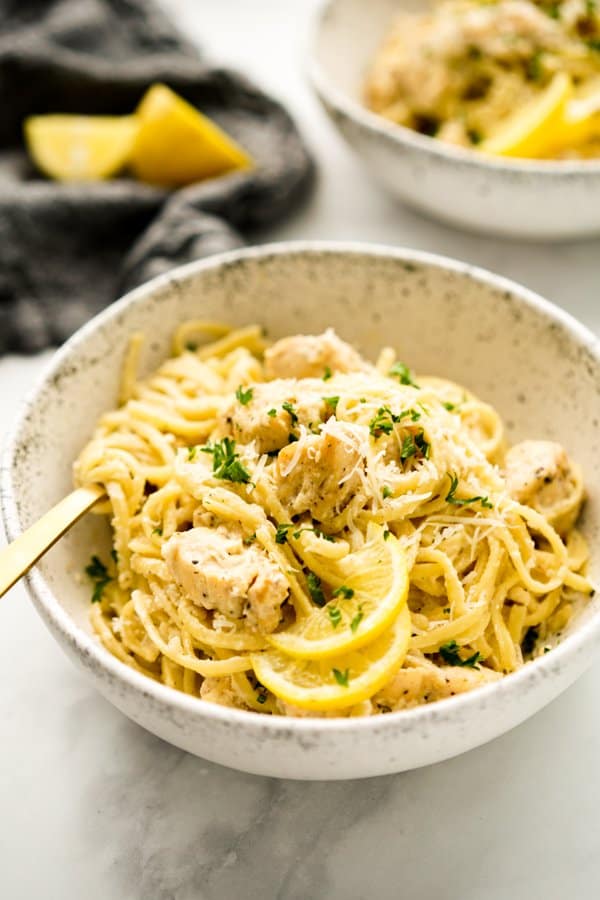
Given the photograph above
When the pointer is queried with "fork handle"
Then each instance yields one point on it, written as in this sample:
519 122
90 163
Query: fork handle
17 558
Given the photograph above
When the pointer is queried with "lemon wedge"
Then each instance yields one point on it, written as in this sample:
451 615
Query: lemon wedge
177 145
340 682
372 587
530 131
80 148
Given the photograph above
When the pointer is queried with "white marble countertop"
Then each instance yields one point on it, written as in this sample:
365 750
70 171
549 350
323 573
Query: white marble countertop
92 806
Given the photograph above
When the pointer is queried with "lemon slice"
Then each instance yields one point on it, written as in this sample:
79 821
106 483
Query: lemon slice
177 145
372 588
530 131
337 683
80 148
581 119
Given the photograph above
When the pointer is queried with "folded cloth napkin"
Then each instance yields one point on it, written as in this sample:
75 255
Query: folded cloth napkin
67 250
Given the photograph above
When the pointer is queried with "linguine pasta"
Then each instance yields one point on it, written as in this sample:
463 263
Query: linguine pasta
297 531
460 70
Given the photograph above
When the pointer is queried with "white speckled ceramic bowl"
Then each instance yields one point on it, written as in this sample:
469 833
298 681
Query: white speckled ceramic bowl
519 198
537 365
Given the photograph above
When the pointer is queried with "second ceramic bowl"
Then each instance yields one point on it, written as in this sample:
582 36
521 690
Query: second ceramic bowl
531 199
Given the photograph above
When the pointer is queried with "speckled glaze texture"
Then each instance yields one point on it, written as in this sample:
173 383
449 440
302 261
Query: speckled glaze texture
519 198
536 364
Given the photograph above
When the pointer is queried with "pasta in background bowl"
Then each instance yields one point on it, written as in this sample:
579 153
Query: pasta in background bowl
533 364
431 117
516 78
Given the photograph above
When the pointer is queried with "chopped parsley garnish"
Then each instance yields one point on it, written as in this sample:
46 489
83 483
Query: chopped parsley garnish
450 654
386 534
402 372
158 530
192 346
261 698
332 402
249 539
282 533
474 136
272 412
289 409
317 531
98 573
383 422
413 444
386 492
341 677
449 406
422 445
327 374
457 501
344 591
244 396
409 448
315 590
534 69
287 406
357 619
414 414
226 462
335 615
446 610
192 451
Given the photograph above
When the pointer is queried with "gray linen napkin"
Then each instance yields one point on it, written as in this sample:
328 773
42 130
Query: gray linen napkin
68 250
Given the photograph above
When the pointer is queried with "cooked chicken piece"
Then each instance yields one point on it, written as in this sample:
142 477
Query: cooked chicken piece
541 475
320 474
218 571
220 691
414 686
512 29
274 412
312 356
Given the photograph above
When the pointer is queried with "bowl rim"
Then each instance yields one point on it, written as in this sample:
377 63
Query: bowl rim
93 653
343 103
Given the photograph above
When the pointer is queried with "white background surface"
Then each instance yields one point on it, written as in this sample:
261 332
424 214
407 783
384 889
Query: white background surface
91 806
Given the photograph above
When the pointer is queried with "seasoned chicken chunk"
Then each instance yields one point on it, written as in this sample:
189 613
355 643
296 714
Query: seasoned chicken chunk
220 691
414 686
274 412
321 473
312 356
219 572
541 475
